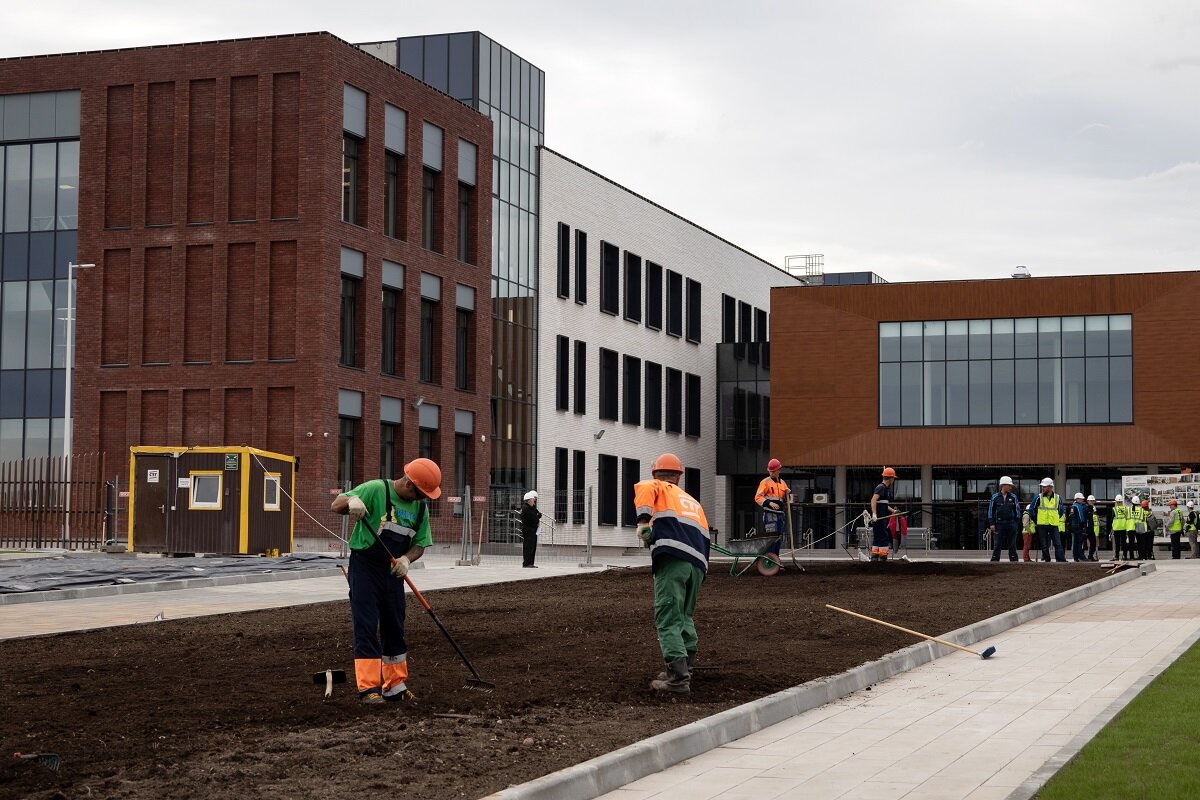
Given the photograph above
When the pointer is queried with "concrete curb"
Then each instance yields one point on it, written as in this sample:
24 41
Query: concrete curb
613 770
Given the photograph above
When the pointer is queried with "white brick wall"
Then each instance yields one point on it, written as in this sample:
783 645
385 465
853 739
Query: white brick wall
586 201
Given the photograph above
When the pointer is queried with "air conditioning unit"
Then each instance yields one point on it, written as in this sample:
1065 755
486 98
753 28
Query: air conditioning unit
820 498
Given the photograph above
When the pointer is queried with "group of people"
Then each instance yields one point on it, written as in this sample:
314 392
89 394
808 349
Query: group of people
1046 520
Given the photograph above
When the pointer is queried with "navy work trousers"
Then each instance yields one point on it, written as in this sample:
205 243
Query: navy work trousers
1005 539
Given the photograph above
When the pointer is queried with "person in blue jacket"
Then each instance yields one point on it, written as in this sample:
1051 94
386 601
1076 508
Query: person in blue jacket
1004 515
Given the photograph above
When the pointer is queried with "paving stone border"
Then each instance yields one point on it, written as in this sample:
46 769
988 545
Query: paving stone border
610 771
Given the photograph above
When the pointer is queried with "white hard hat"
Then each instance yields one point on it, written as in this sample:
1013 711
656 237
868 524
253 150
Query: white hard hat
1091 498
1119 498
1047 481
1079 495
1136 499
1006 481
531 495
1190 504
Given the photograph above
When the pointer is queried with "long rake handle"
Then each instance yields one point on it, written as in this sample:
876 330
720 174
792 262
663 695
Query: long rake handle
906 630
429 610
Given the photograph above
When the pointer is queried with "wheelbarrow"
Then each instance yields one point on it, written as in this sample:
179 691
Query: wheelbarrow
761 551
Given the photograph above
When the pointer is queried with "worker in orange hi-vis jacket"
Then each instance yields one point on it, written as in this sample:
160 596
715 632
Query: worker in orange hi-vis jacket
672 524
772 497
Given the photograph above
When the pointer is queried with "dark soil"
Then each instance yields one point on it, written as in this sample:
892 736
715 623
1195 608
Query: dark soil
224 706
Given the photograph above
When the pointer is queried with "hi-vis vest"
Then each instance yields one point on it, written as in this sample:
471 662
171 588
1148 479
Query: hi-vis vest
1096 521
1121 518
1176 523
679 527
1140 516
1193 520
1049 511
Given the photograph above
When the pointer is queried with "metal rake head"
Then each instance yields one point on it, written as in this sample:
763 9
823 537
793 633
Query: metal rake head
50 761
479 685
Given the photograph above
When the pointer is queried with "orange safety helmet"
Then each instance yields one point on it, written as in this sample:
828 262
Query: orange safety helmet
774 465
1145 504
667 462
888 472
1173 502
426 476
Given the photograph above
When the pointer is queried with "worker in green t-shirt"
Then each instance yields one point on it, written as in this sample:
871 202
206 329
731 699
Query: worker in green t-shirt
391 531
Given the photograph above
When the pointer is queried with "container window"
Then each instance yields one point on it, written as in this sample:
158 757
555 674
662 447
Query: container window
271 491
206 491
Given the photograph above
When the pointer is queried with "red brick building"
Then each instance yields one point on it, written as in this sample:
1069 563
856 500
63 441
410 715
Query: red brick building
291 253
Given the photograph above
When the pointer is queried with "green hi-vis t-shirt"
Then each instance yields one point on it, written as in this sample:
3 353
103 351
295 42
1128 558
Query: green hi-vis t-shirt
404 514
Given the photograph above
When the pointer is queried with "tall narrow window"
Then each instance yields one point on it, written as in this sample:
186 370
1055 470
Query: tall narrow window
745 323
654 296
346 455
462 465
610 278
630 469
427 443
390 329
654 395
462 349
691 483
429 205
564 260
387 449
674 304
578 511
351 145
560 484
632 384
606 507
728 319
393 195
465 204
633 287
581 270
429 340
608 384
693 310
562 376
580 377
760 325
674 401
349 354
692 406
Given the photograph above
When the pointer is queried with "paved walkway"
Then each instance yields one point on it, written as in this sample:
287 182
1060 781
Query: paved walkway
959 727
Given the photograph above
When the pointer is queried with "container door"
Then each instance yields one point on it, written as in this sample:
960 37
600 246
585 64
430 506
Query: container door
152 495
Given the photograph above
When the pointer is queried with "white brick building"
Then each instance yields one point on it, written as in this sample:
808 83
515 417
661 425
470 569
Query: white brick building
648 355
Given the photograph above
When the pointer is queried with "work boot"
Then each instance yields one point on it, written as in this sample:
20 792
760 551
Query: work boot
679 680
691 662
371 698
403 696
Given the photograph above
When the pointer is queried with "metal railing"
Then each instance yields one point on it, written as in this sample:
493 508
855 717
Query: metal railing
55 502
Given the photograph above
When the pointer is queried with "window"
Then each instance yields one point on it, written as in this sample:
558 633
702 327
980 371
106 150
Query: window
760 325
674 401
462 349
674 304
633 287
206 490
630 469
429 204
462 466
578 511
466 195
608 384
393 195
351 145
391 344
346 455
560 484
1022 371
728 319
427 443
610 278
745 322
564 260
691 483
580 377
271 492
581 276
654 296
562 375
387 449
693 311
429 340
632 384
653 396
349 354
692 415
606 510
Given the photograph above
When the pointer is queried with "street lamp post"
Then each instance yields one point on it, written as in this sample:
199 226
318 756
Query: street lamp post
68 423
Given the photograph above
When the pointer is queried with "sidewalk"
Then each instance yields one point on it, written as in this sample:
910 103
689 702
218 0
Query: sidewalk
961 727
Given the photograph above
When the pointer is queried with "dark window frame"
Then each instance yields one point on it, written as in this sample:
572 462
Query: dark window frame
631 389
654 296
561 492
653 417
352 147
562 374
389 451
608 494
431 238
578 479
673 383
630 474
691 404
351 326
609 384
581 268
430 341
466 209
580 378
464 351
728 319
692 305
674 304
610 278
394 185
633 287
564 260
391 350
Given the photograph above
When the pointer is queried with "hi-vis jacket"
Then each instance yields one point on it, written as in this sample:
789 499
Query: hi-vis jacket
1175 521
1048 511
1122 518
679 527
770 489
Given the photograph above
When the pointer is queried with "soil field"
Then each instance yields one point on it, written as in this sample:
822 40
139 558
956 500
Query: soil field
224 706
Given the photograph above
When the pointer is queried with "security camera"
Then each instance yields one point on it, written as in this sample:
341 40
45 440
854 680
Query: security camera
600 434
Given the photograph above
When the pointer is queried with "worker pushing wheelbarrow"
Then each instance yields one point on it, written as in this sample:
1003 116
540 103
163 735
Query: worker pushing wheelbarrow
775 502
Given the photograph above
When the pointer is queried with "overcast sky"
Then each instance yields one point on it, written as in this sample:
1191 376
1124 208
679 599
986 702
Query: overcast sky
918 139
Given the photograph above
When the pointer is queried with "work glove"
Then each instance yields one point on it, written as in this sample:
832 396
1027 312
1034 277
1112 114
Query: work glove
400 566
871 518
358 509
645 533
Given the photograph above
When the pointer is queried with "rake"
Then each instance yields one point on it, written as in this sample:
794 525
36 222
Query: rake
986 654
50 761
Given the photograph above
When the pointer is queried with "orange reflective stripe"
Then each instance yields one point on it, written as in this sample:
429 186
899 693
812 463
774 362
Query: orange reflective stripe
367 672
662 496
394 675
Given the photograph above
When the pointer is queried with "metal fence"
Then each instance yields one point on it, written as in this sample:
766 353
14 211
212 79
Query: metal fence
56 502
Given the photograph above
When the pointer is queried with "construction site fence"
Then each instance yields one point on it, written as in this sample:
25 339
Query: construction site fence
56 502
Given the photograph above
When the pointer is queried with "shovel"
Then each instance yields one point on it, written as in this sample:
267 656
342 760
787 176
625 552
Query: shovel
329 677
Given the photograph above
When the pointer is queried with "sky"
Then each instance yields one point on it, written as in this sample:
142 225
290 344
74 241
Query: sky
920 140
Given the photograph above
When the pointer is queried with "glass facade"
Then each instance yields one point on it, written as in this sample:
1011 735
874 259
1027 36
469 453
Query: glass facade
1023 371
509 90
39 207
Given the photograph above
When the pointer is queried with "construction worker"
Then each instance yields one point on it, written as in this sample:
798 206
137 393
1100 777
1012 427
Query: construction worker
1122 523
881 537
1175 525
1146 539
1028 531
530 519
1093 536
391 531
1004 511
1049 515
772 497
1079 523
1191 526
1140 525
672 524
898 527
